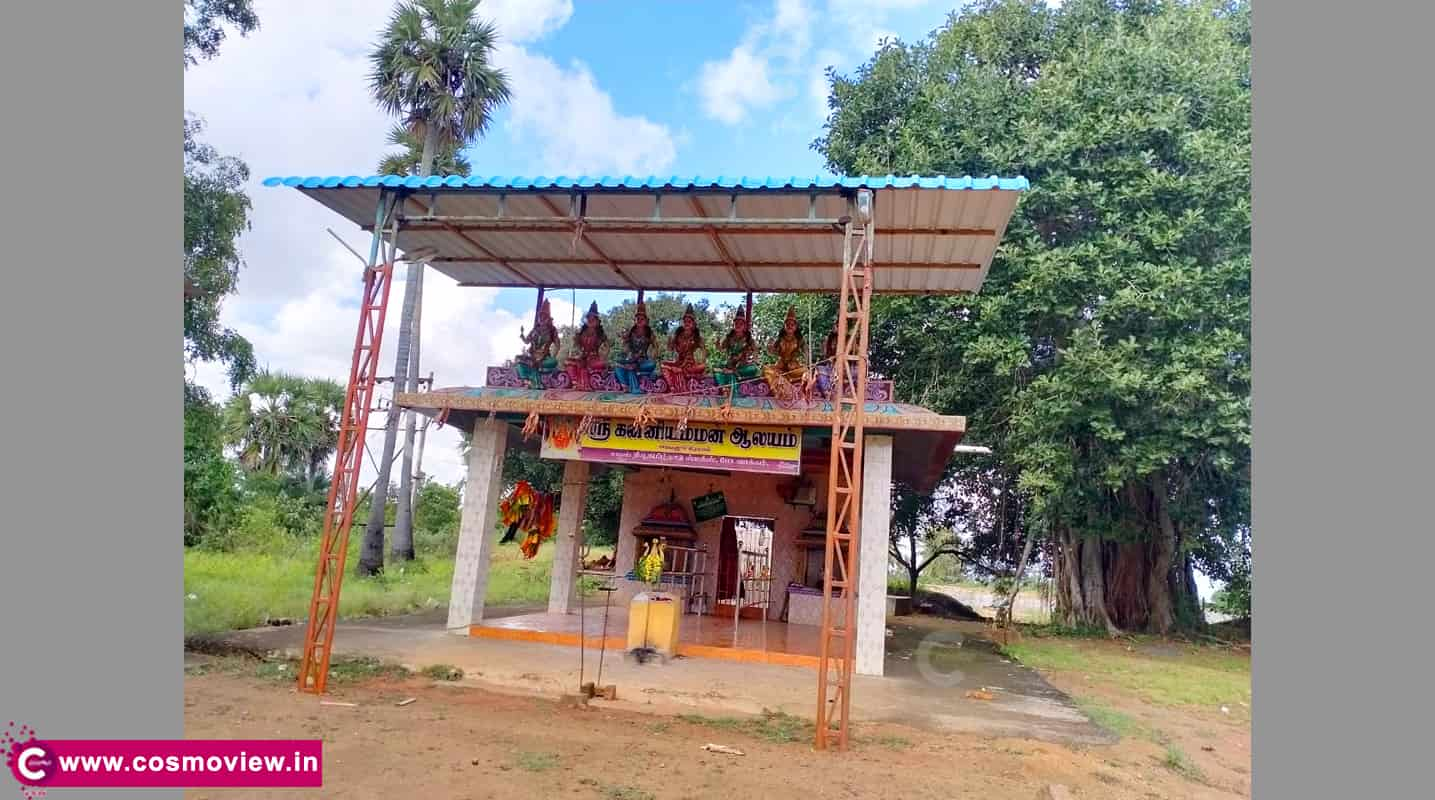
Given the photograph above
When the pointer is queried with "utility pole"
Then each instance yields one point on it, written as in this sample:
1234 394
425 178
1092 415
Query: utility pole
419 458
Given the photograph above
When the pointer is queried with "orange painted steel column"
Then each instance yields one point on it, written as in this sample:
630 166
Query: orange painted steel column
844 480
348 461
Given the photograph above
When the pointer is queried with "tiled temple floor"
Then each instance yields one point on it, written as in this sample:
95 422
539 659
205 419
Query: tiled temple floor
699 636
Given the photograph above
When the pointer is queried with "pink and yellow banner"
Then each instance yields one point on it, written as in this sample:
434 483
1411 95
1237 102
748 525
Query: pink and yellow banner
769 449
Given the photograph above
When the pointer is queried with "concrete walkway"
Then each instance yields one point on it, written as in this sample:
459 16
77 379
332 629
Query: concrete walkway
931 665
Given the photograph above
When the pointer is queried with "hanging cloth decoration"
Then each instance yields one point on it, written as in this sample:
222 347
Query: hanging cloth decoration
530 512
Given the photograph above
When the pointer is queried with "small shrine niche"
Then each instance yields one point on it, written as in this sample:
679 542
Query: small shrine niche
668 521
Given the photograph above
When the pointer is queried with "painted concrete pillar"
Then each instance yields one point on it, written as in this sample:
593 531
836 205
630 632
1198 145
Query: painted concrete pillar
568 539
872 555
476 530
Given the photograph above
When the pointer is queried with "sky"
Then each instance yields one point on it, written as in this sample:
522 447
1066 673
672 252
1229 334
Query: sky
599 87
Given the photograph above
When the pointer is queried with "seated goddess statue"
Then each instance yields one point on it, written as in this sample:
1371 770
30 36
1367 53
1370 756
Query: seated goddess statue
635 357
689 357
740 352
789 372
828 367
537 358
590 347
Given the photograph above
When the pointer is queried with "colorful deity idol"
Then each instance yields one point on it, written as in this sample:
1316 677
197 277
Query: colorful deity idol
828 367
789 371
635 357
739 355
589 348
689 358
537 358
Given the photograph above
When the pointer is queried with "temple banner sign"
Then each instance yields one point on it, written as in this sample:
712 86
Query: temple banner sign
771 449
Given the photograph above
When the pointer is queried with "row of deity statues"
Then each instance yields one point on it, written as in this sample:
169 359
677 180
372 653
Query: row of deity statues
638 358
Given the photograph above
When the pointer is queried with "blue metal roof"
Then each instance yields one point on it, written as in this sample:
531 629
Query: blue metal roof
654 183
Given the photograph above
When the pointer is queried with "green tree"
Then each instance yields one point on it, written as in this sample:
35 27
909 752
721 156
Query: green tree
211 493
205 22
432 68
665 312
216 209
448 160
281 423
1107 360
216 212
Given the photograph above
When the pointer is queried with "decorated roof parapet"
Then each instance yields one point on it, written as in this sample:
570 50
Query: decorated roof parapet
816 413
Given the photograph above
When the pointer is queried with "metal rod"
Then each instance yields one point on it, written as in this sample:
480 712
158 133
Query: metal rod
347 247
669 262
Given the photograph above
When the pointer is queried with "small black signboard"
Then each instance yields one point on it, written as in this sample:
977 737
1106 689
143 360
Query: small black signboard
709 506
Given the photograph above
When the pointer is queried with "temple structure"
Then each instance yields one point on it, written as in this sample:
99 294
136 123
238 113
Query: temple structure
765 473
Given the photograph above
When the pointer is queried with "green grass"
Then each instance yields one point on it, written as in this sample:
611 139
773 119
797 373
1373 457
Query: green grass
773 726
1178 762
231 591
341 670
1121 724
442 672
537 762
624 793
1198 676
893 742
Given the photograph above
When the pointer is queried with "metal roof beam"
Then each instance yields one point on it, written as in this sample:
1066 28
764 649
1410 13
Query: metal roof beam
719 246
746 227
660 262
714 289
474 243
577 226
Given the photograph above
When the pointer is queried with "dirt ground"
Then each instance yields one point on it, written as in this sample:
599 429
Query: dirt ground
463 742
1216 743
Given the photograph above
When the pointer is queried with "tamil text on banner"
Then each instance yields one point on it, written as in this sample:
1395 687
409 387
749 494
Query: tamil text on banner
772 449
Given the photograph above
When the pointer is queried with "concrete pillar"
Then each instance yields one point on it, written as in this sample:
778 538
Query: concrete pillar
477 535
872 555
568 539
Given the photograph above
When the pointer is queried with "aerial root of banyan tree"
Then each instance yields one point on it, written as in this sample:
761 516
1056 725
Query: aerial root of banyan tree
1143 584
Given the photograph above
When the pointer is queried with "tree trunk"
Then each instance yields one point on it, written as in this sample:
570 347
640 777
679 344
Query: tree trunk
1163 553
403 544
430 145
405 379
1146 585
913 571
1016 580
1093 585
371 555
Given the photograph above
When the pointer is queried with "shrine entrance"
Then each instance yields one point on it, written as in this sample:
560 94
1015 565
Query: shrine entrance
744 579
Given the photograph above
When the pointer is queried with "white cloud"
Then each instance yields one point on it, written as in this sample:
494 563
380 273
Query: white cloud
734 86
526 20
776 59
293 98
575 122
463 333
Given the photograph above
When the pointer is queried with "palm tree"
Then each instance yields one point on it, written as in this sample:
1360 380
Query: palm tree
284 424
432 69
447 160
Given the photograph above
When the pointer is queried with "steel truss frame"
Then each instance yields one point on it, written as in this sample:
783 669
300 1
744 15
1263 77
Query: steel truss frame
844 479
349 455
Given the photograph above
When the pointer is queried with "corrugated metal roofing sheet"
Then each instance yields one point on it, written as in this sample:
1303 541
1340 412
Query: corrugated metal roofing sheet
932 234
696 182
